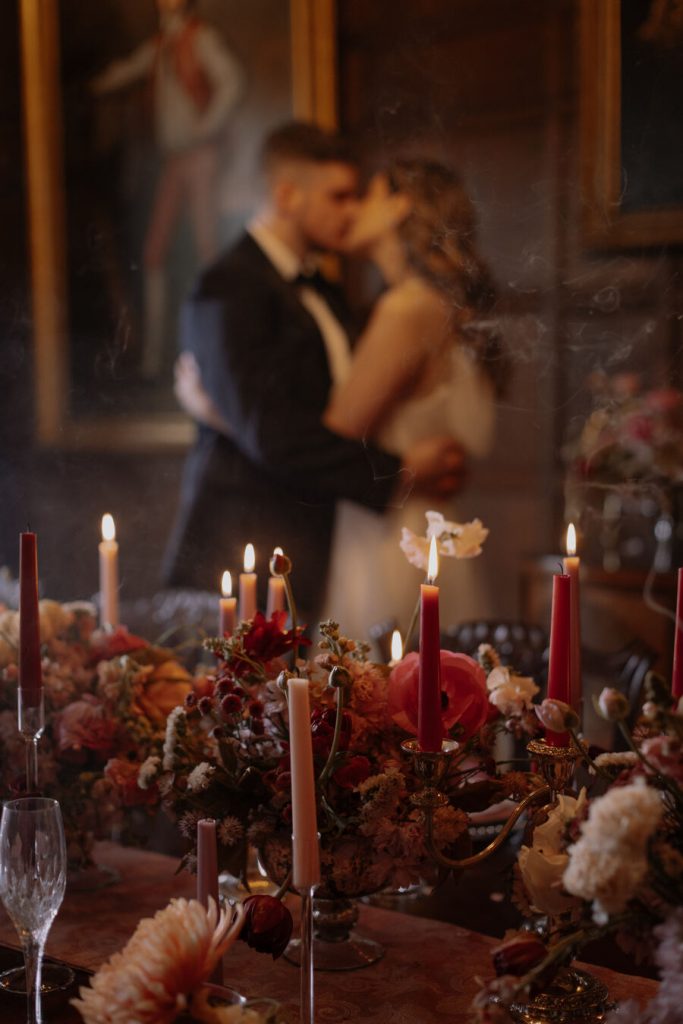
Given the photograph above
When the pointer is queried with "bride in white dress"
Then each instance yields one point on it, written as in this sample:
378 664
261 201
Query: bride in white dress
422 367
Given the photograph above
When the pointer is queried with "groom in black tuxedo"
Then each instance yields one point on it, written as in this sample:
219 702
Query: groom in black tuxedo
267 340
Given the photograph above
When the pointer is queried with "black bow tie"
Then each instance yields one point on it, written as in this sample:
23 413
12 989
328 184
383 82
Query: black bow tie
315 280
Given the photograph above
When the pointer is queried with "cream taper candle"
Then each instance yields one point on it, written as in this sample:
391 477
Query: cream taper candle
227 607
305 847
248 585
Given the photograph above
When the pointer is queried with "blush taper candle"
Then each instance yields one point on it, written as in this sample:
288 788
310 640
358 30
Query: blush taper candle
248 585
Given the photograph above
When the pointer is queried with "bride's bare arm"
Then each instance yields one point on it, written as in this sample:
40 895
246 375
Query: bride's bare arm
386 364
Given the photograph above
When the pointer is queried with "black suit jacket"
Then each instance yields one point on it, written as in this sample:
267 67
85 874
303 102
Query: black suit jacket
277 478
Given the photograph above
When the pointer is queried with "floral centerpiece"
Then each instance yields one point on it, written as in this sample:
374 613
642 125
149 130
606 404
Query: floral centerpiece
625 463
107 696
225 754
609 862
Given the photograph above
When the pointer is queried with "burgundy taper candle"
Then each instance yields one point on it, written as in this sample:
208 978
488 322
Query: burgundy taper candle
30 675
677 677
429 721
560 645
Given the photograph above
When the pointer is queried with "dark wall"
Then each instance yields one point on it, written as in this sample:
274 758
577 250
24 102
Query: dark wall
492 87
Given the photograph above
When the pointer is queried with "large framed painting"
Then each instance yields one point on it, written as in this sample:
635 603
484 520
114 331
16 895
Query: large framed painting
631 122
142 128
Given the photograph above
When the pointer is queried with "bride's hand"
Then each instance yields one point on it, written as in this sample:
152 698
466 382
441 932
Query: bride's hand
191 395
437 466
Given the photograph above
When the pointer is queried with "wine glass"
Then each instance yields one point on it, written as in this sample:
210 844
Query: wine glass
32 881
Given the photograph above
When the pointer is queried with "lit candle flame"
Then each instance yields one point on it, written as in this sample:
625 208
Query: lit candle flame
249 558
433 563
571 540
108 528
226 584
396 646
278 551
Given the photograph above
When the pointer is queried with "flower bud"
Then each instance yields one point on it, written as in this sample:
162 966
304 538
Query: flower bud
267 925
612 705
231 705
280 565
518 954
556 715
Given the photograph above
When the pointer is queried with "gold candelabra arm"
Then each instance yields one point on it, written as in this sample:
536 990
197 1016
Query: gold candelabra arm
542 793
556 765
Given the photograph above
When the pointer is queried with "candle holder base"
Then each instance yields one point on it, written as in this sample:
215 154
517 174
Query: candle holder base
337 946
574 997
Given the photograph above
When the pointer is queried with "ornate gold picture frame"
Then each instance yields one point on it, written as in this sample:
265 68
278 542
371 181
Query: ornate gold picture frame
631 107
59 422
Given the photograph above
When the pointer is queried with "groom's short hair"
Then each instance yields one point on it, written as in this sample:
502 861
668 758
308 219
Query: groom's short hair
300 142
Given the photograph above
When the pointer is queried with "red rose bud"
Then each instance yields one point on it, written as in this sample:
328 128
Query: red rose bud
267 925
280 565
224 687
353 772
256 708
518 954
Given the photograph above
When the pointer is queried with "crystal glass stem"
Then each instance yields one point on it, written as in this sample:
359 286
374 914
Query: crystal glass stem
307 998
33 962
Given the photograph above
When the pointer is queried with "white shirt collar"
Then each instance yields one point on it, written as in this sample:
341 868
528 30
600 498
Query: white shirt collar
285 261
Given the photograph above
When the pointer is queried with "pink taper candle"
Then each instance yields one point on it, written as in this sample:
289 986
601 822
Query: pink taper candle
248 585
429 721
30 675
559 662
572 566
207 873
305 846
677 678
227 607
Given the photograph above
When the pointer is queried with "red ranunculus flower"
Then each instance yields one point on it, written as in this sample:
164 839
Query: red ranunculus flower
268 639
352 772
267 925
464 697
322 727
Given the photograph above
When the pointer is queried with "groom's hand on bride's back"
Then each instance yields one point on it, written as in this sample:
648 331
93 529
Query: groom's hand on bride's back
436 466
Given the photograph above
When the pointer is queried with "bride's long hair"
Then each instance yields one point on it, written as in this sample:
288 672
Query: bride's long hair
439 235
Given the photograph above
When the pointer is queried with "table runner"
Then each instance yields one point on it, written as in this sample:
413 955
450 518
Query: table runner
427 976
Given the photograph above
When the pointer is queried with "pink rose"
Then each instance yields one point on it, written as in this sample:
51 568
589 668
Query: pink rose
464 697
84 725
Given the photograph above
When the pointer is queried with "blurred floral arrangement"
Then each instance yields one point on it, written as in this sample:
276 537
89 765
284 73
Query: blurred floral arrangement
606 862
107 696
226 754
631 435
162 974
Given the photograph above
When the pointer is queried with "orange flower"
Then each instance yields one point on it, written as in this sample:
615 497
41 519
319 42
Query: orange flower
163 690
168 958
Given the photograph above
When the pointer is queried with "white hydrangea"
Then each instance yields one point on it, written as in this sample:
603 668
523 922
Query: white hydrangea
609 861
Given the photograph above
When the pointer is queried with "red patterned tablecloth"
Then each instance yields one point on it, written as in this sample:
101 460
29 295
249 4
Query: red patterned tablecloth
428 974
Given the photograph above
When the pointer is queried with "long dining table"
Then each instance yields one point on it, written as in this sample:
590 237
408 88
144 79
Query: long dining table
429 973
